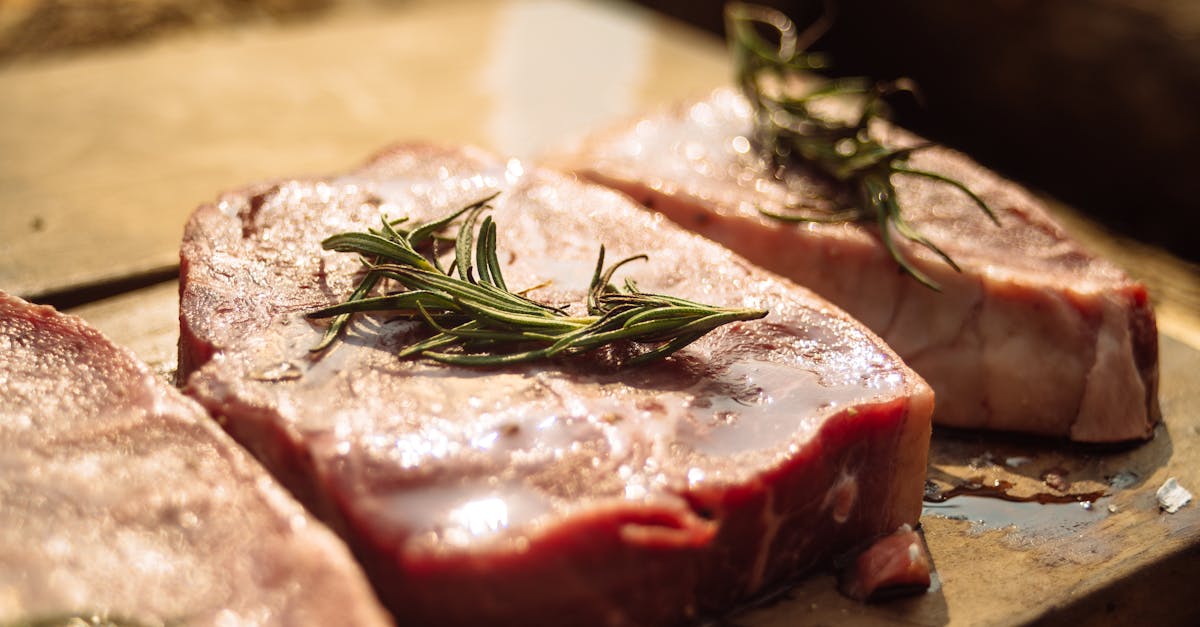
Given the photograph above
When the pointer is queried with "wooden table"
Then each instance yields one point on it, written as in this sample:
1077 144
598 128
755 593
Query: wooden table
104 154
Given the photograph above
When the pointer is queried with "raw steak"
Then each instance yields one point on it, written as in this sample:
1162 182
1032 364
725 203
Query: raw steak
565 493
894 565
1036 335
120 498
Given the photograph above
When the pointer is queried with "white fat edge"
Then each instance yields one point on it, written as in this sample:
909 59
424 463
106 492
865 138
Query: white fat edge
771 524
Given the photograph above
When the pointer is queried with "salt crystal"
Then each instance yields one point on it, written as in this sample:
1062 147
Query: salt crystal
1172 496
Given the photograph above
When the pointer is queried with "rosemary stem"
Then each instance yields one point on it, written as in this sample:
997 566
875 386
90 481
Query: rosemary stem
789 131
476 320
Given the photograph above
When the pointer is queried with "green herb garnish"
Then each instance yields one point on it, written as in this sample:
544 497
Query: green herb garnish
776 77
478 321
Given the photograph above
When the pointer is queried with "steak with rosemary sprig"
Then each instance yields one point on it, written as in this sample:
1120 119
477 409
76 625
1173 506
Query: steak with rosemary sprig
1034 335
578 489
123 503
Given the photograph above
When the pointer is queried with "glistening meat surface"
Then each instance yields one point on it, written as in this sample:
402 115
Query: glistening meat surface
120 498
1036 335
554 493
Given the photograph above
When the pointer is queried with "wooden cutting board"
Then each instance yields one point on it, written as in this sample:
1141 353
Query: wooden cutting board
103 156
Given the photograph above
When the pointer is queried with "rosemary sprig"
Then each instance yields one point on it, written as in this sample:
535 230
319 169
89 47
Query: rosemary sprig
477 321
776 77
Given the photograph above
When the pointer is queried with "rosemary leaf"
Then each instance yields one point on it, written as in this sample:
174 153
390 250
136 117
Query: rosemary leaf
477 321
788 129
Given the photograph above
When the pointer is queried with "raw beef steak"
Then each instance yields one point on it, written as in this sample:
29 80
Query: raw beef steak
561 493
1036 335
120 498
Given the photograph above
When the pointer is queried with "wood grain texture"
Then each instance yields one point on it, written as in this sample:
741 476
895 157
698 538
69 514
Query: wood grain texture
112 150
31 28
145 321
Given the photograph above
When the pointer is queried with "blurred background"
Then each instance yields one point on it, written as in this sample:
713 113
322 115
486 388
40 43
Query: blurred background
1095 102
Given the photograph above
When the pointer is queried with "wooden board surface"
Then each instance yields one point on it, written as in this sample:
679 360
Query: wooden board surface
103 156
111 150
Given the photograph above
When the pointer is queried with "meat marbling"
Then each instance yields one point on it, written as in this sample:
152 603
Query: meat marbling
556 493
120 498
1036 335
894 565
